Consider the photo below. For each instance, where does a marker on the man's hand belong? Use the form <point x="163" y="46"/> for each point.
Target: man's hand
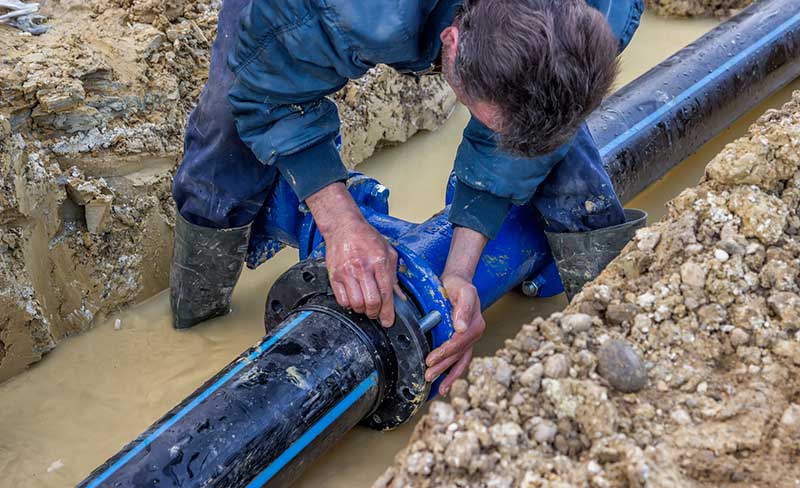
<point x="469" y="326"/>
<point x="465" y="252"/>
<point x="362" y="265"/>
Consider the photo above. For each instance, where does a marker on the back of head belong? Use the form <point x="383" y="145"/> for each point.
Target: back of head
<point x="545" y="65"/>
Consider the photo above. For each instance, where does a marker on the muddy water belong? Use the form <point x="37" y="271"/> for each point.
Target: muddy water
<point x="96" y="392"/>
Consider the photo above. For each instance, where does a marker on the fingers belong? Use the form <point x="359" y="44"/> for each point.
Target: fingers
<point x="433" y="372"/>
<point x="464" y="306"/>
<point x="456" y="372"/>
<point x="340" y="292"/>
<point x="354" y="295"/>
<point x="458" y="343"/>
<point x="386" y="277"/>
<point x="386" y="283"/>
<point x="372" y="295"/>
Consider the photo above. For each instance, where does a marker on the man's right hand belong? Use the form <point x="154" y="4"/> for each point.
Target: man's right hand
<point x="362" y="265"/>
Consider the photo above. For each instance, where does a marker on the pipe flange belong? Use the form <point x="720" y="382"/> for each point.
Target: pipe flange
<point x="294" y="288"/>
<point x="404" y="369"/>
<point x="408" y="393"/>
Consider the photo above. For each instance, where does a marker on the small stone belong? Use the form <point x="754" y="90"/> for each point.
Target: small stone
<point x="442" y="413"/>
<point x="681" y="416"/>
<point x="576" y="322"/>
<point x="693" y="274"/>
<point x="648" y="239"/>
<point x="739" y="337"/>
<point x="420" y="463"/>
<point x="790" y="350"/>
<point x="621" y="313"/>
<point x="702" y="388"/>
<point x="721" y="255"/>
<point x="118" y="324"/>
<point x="556" y="366"/>
<point x="507" y="435"/>
<point x="791" y="419"/>
<point x="98" y="214"/>
<point x="532" y="377"/>
<point x="621" y="366"/>
<point x="545" y="432"/>
<point x="462" y="449"/>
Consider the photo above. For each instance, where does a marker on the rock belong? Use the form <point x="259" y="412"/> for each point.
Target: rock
<point x="462" y="450"/>
<point x="66" y="96"/>
<point x="621" y="313"/>
<point x="545" y="432"/>
<point x="680" y="416"/>
<point x="81" y="191"/>
<point x="786" y="306"/>
<point x="721" y="255"/>
<point x="790" y="419"/>
<point x="420" y="463"/>
<point x="693" y="274"/>
<point x="532" y="377"/>
<point x="739" y="337"/>
<point x="98" y="214"/>
<point x="556" y="366"/>
<point x="778" y="275"/>
<point x="790" y="350"/>
<point x="507" y="435"/>
<point x="619" y="364"/>
<point x="442" y="413"/>
<point x="763" y="215"/>
<point x="648" y="238"/>
<point x="576" y="322"/>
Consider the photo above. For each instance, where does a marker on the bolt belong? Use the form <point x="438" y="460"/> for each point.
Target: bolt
<point x="530" y="288"/>
<point x="428" y="322"/>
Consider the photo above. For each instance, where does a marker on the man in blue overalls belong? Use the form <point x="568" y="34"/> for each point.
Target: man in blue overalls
<point x="529" y="71"/>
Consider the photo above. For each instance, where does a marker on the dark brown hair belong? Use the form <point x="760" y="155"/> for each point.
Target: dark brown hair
<point x="546" y="64"/>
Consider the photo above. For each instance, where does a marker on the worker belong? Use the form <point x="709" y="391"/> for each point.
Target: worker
<point x="529" y="71"/>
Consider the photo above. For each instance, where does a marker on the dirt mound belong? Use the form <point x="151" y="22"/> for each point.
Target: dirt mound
<point x="91" y="125"/>
<point x="698" y="8"/>
<point x="709" y="299"/>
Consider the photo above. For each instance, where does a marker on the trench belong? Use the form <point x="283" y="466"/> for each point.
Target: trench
<point x="94" y="393"/>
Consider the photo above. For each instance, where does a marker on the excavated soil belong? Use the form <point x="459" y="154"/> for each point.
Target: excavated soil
<point x="698" y="8"/>
<point x="708" y="299"/>
<point x="92" y="116"/>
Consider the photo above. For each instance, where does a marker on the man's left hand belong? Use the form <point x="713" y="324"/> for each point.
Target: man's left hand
<point x="469" y="326"/>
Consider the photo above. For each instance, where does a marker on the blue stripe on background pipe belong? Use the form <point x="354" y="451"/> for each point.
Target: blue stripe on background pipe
<point x="315" y="430"/>
<point x="198" y="400"/>
<point x="683" y="96"/>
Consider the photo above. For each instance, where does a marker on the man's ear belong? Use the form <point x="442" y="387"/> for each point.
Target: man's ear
<point x="449" y="37"/>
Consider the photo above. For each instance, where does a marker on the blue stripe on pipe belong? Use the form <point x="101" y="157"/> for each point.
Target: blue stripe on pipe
<point x="198" y="400"/>
<point x="653" y="117"/>
<point x="312" y="433"/>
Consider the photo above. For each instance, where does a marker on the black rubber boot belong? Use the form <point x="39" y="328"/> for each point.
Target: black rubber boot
<point x="582" y="256"/>
<point x="206" y="264"/>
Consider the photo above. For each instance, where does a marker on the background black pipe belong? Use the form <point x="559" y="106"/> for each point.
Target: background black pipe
<point x="667" y="114"/>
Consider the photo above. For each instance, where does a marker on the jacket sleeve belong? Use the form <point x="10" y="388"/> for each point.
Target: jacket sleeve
<point x="279" y="103"/>
<point x="489" y="182"/>
<point x="623" y="17"/>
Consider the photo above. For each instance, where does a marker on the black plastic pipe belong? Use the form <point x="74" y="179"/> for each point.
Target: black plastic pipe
<point x="667" y="114"/>
<point x="305" y="385"/>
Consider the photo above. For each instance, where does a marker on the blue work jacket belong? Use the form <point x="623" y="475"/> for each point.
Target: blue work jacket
<point x="291" y="54"/>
